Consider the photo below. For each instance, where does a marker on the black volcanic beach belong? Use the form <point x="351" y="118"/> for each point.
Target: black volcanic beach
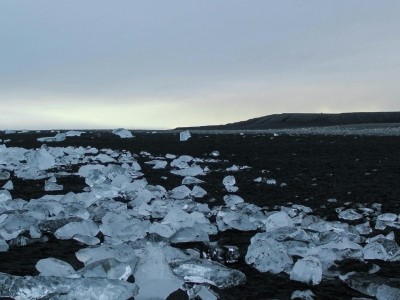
<point x="356" y="170"/>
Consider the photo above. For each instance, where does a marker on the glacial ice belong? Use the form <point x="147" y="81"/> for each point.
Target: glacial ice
<point x="268" y="255"/>
<point x="349" y="214"/>
<point x="154" y="276"/>
<point x="85" y="227"/>
<point x="209" y="272"/>
<point x="52" y="287"/>
<point x="54" y="267"/>
<point x="40" y="159"/>
<point x="8" y="186"/>
<point x="184" y="136"/>
<point x="107" y="268"/>
<point x="304" y="295"/>
<point x="277" y="220"/>
<point x="229" y="183"/>
<point x="123" y="133"/>
<point x="307" y="270"/>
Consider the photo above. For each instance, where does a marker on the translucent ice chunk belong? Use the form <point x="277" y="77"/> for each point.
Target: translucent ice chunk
<point x="189" y="234"/>
<point x="191" y="180"/>
<point x="154" y="276"/>
<point x="382" y="249"/>
<point x="191" y="171"/>
<point x="5" y="196"/>
<point x="180" y="192"/>
<point x="54" y="267"/>
<point x="40" y="159"/>
<point x="123" y="133"/>
<point x="210" y="272"/>
<point x="184" y="136"/>
<point x="3" y="246"/>
<point x="307" y="270"/>
<point x="232" y="200"/>
<point x="40" y="287"/>
<point x="198" y="192"/>
<point x="278" y="220"/>
<point x="108" y="268"/>
<point x="349" y="214"/>
<point x="85" y="227"/>
<point x="122" y="252"/>
<point x="268" y="255"/>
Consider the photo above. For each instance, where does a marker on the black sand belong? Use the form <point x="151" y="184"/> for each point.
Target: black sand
<point x="357" y="169"/>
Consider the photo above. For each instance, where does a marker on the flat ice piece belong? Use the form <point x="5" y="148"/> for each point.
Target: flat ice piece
<point x="232" y="200"/>
<point x="278" y="220"/>
<point x="52" y="287"/>
<point x="268" y="255"/>
<point x="85" y="227"/>
<point x="123" y="133"/>
<point x="184" y="136"/>
<point x="191" y="180"/>
<point x="107" y="268"/>
<point x="73" y="133"/>
<point x="40" y="159"/>
<point x="178" y="218"/>
<point x="180" y="192"/>
<point x="54" y="267"/>
<point x="215" y="153"/>
<point x="191" y="171"/>
<point x="103" y="158"/>
<point x="189" y="234"/>
<point x="349" y="214"/>
<point x="304" y="295"/>
<point x="154" y="276"/>
<point x="307" y="270"/>
<point x="123" y="226"/>
<point x="209" y="272"/>
<point x="198" y="192"/>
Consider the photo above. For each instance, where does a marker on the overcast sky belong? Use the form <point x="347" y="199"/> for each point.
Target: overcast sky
<point x="163" y="64"/>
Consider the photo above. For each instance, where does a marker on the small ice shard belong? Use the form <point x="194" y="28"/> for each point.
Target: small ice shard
<point x="189" y="234"/>
<point x="103" y="158"/>
<point x="229" y="183"/>
<point x="170" y="156"/>
<point x="238" y="221"/>
<point x="184" y="136"/>
<point x="191" y="171"/>
<point x="215" y="153"/>
<point x="180" y="192"/>
<point x="54" y="267"/>
<point x="278" y="220"/>
<point x="268" y="255"/>
<point x="209" y="272"/>
<point x="304" y="295"/>
<point x="307" y="270"/>
<point x="85" y="227"/>
<point x="182" y="162"/>
<point x="374" y="269"/>
<point x="53" y="287"/>
<point x="8" y="186"/>
<point x="234" y="168"/>
<point x="270" y="181"/>
<point x="40" y="159"/>
<point x="107" y="268"/>
<point x="388" y="217"/>
<point x="154" y="276"/>
<point x="73" y="133"/>
<point x="158" y="164"/>
<point x="198" y="192"/>
<point x="191" y="180"/>
<point x="258" y="179"/>
<point x="123" y="133"/>
<point x="349" y="214"/>
<point x="232" y="200"/>
<point x="332" y="200"/>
